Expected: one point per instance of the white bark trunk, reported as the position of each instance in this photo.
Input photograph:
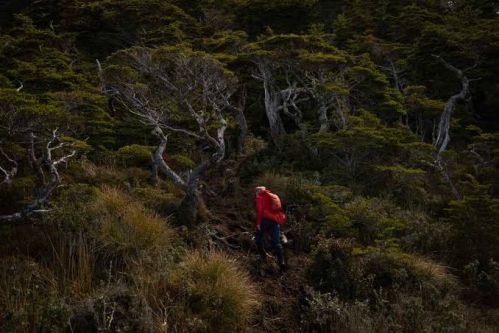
(272, 102)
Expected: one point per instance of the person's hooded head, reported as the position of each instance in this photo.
(259, 189)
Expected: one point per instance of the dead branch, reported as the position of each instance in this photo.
(42, 166)
(8, 173)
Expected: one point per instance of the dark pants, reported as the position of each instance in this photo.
(273, 229)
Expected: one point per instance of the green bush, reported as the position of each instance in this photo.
(334, 268)
(134, 155)
(474, 240)
(157, 200)
(375, 220)
(359, 273)
(315, 210)
(181, 161)
(112, 175)
(365, 290)
(474, 222)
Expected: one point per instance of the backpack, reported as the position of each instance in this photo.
(275, 202)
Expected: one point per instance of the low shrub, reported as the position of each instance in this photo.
(376, 220)
(366, 290)
(111, 308)
(333, 268)
(181, 161)
(111, 175)
(157, 200)
(351, 272)
(134, 155)
(327, 313)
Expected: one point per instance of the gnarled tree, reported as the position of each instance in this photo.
(44, 155)
(443, 137)
(314, 83)
(179, 92)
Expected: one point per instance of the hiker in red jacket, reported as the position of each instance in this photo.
(269, 217)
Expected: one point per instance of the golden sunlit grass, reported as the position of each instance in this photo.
(124, 223)
(202, 293)
(430, 269)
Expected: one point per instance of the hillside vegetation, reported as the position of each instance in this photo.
(133, 132)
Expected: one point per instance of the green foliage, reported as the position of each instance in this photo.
(105, 26)
(158, 200)
(134, 155)
(359, 273)
(375, 221)
(368, 200)
(359, 287)
(182, 161)
(475, 225)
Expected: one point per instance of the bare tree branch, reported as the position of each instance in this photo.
(46, 162)
(9, 174)
(183, 93)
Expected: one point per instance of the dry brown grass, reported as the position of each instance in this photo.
(125, 224)
(427, 268)
(28, 297)
(203, 293)
(73, 263)
(275, 182)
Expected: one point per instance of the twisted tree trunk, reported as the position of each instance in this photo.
(443, 137)
(272, 102)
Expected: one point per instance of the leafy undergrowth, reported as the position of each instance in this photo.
(113, 258)
(349, 270)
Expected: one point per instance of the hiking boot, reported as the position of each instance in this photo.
(261, 251)
(280, 258)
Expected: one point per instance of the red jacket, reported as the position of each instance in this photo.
(262, 203)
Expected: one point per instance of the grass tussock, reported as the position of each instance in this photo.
(28, 297)
(429, 269)
(73, 262)
(124, 223)
(202, 293)
(276, 182)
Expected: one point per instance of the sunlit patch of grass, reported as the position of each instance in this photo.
(202, 293)
(124, 223)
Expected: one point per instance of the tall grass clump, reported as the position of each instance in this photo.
(202, 293)
(123, 223)
(276, 182)
(29, 299)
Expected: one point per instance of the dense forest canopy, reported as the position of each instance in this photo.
(133, 132)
